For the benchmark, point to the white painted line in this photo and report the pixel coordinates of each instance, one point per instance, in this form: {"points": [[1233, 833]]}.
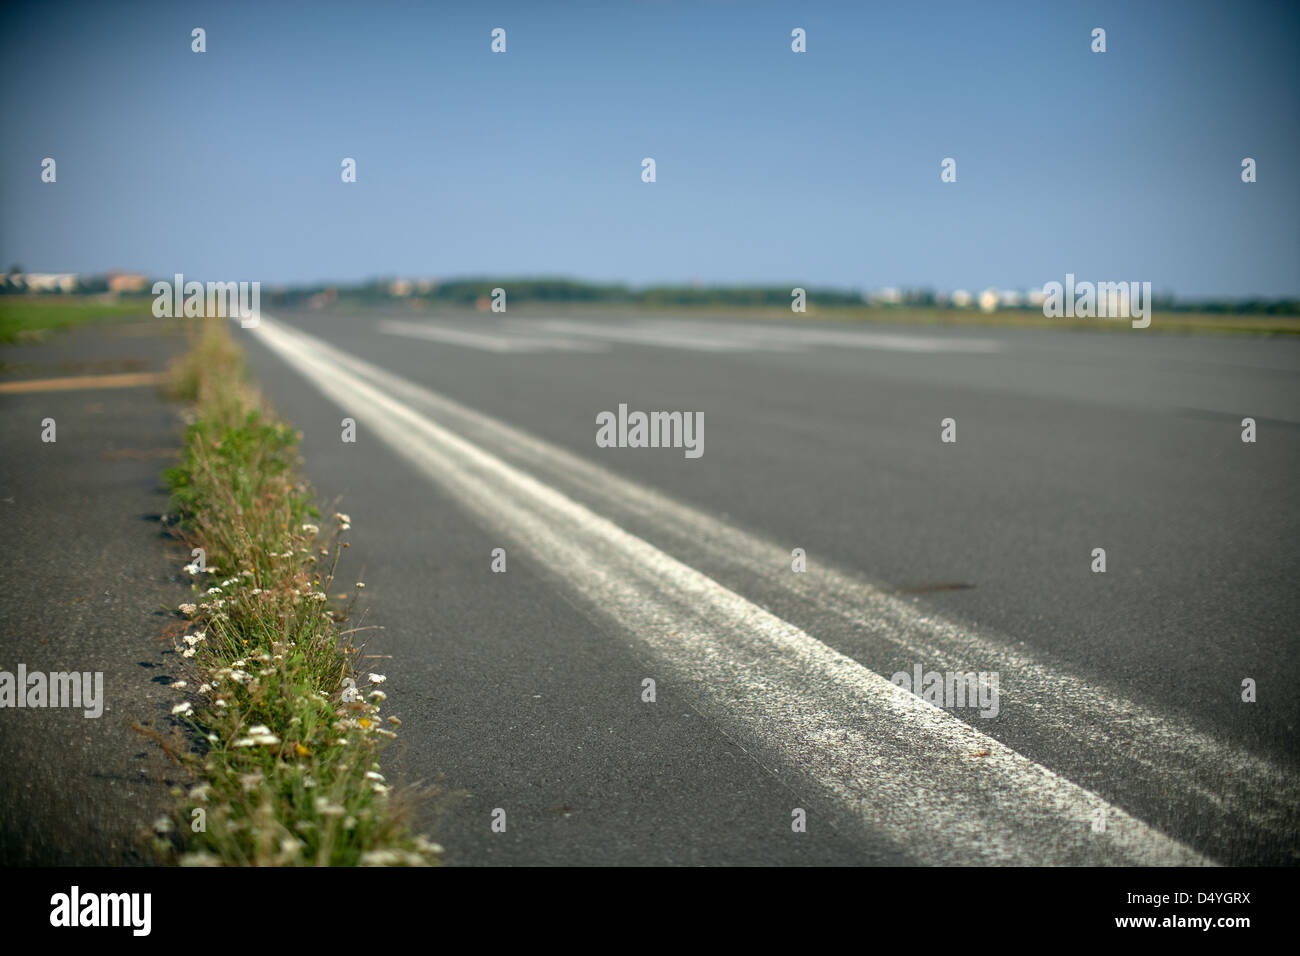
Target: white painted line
{"points": [[793, 334], [904, 770], [661, 336], [485, 341], [885, 341], [776, 337]]}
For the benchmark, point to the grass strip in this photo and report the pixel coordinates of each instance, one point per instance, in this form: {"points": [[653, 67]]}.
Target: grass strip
{"points": [[31, 318], [287, 732]]}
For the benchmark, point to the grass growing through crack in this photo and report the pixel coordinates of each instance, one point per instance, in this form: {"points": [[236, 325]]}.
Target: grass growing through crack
{"points": [[288, 733]]}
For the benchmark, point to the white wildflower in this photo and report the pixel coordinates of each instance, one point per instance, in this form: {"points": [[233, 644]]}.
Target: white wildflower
{"points": [[327, 809]]}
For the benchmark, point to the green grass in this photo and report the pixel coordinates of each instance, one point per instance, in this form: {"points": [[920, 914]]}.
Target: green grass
{"points": [[30, 318], [287, 733]]}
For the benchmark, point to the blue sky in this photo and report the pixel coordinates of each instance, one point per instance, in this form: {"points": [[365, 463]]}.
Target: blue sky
{"points": [[819, 168]]}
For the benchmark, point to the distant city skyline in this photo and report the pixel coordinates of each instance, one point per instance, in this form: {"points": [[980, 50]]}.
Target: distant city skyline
{"points": [[772, 167]]}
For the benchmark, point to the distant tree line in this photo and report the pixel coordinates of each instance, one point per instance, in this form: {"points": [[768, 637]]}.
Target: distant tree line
{"points": [[468, 291]]}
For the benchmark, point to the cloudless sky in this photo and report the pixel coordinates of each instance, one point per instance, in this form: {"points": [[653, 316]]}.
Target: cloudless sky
{"points": [[819, 168]]}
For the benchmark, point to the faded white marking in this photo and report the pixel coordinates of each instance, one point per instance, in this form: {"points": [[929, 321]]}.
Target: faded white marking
{"points": [[747, 337], [486, 341], [661, 336]]}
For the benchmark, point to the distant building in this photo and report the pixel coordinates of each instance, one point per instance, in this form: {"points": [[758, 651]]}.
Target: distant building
{"points": [[962, 299], [127, 281], [47, 281]]}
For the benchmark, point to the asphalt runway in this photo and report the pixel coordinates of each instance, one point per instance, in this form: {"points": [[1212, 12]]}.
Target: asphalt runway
{"points": [[1120, 733]]}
